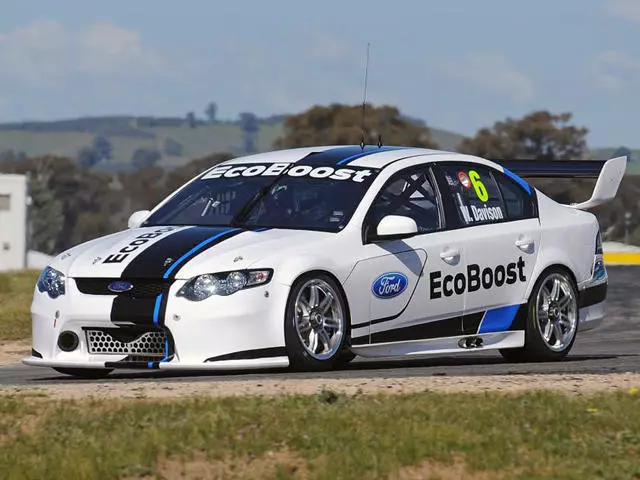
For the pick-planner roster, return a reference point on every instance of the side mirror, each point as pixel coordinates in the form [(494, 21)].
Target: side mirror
[(136, 218), (393, 227)]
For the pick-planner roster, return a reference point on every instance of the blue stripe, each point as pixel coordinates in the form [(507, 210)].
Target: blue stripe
[(516, 178), (166, 355), (365, 153), (195, 249), (498, 319), (156, 310)]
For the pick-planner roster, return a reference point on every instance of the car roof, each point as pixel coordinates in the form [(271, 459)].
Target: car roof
[(352, 155)]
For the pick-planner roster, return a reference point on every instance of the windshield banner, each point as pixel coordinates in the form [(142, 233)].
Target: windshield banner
[(275, 169)]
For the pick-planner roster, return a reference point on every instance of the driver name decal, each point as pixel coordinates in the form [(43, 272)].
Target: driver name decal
[(481, 214), (275, 169)]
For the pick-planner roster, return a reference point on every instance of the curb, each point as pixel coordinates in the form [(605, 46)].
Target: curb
[(622, 258)]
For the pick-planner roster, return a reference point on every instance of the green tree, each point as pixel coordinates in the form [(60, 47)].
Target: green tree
[(102, 146), (88, 157), (211, 112), (623, 152), (342, 125), (250, 127), (60, 193), (145, 157), (191, 120), (172, 147), (539, 135)]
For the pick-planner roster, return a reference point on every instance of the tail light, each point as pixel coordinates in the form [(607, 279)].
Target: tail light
[(599, 271), (598, 244)]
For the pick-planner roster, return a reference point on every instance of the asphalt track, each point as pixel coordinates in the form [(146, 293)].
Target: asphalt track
[(612, 348)]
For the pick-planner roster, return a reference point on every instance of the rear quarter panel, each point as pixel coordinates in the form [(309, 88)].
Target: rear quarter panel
[(568, 238)]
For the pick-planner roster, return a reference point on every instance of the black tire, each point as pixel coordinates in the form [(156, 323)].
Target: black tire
[(347, 356), (85, 373), (299, 358), (535, 347)]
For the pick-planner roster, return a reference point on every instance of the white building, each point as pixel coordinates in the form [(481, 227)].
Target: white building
[(13, 222)]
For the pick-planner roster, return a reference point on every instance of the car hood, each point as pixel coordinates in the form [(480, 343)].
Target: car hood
[(180, 252)]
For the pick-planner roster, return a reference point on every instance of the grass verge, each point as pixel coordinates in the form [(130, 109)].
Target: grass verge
[(532, 435), (16, 291)]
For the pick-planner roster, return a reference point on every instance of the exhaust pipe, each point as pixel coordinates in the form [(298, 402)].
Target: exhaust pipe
[(470, 342)]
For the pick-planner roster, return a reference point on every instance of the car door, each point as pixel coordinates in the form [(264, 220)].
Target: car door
[(409, 283), (502, 238)]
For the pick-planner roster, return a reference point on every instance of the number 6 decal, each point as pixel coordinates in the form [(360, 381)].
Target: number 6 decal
[(478, 186)]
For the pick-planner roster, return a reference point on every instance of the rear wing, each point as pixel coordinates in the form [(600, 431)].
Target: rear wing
[(608, 172)]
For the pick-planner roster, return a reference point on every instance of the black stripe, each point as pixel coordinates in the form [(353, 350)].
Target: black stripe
[(134, 365), (520, 320), (449, 327), (593, 295), (471, 323), (35, 353), (334, 155), (133, 310), (251, 354), (153, 261)]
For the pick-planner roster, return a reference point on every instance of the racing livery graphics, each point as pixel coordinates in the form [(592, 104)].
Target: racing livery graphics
[(475, 279), (309, 257)]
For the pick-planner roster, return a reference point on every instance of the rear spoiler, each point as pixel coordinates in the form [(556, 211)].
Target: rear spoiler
[(608, 172)]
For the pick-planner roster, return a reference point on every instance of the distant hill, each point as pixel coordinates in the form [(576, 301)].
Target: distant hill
[(173, 137), (176, 141)]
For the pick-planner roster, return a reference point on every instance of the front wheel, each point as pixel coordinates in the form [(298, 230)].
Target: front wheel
[(552, 322), (85, 373), (316, 324)]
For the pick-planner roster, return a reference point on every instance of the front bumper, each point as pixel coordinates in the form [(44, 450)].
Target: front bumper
[(243, 330)]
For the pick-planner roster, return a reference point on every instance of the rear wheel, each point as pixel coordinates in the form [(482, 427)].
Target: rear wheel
[(552, 322), (316, 324), (86, 373)]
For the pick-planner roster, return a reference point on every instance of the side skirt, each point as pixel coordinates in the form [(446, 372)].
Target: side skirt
[(436, 346)]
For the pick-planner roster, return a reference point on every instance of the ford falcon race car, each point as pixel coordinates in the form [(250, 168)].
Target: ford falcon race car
[(309, 257)]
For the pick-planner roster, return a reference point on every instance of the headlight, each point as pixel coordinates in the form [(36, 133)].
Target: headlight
[(52, 282), (225, 283)]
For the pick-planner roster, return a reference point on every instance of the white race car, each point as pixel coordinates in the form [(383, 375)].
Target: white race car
[(309, 257)]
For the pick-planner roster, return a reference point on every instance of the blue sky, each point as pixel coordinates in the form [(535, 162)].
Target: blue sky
[(458, 64)]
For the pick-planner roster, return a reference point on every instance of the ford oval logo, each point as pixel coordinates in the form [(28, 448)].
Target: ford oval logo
[(389, 285), (119, 286)]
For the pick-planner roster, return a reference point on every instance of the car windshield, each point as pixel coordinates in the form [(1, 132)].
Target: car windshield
[(281, 195)]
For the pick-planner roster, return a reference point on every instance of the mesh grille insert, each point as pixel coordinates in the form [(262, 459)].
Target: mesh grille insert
[(144, 343), (142, 288)]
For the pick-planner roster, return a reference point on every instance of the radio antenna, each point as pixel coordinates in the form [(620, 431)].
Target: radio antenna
[(364, 99)]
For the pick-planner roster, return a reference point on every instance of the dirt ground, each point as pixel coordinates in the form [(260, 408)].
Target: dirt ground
[(13, 352), (576, 384)]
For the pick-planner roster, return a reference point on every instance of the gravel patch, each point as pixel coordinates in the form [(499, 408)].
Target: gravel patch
[(571, 384)]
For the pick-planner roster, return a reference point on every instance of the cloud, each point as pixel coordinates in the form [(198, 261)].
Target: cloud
[(625, 9), (490, 72), (610, 70), (45, 51)]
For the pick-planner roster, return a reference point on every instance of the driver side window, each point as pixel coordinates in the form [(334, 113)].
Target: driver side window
[(408, 193)]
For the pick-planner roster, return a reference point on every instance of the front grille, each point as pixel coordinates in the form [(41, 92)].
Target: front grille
[(124, 341), (142, 288)]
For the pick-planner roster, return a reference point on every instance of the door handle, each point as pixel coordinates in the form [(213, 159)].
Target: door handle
[(450, 255), (525, 244)]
